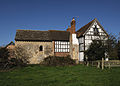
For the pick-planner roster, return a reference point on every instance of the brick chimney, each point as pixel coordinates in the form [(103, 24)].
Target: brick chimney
[(73, 25), (69, 29), (72, 28)]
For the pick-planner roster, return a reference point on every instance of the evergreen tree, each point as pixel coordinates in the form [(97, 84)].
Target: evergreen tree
[(96, 50)]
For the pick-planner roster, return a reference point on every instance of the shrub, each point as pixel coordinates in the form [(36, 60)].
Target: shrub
[(6, 62), (58, 61), (11, 63), (4, 54)]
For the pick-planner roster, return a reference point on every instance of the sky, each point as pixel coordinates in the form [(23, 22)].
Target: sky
[(55, 15)]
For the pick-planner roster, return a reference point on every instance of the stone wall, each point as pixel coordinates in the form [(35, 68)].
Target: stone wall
[(74, 47), (75, 52), (33, 50)]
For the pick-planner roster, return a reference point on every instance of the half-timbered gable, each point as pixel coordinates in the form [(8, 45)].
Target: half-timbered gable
[(92, 31)]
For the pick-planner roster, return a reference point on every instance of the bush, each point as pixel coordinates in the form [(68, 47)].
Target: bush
[(58, 61), (4, 53), (8, 63), (12, 63)]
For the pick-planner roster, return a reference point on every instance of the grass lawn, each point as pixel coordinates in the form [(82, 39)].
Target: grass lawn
[(78, 75)]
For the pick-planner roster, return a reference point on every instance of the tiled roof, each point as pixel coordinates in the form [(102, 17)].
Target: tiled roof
[(83, 29), (37, 35)]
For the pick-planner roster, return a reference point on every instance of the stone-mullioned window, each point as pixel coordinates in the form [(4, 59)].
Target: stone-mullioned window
[(62, 46)]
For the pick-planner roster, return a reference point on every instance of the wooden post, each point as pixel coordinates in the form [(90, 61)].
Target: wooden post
[(102, 63), (98, 65)]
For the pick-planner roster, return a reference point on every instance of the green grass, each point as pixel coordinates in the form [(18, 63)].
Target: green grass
[(78, 75)]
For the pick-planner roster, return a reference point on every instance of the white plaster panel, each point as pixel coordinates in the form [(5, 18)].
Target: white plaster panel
[(100, 30), (74, 39), (86, 47), (81, 40), (87, 42), (81, 56), (87, 37), (81, 47), (91, 29)]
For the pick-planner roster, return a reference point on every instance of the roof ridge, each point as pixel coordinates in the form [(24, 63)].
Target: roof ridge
[(58, 30), (41, 30), (29, 30)]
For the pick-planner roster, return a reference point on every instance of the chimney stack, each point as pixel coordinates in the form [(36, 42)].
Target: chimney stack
[(72, 28)]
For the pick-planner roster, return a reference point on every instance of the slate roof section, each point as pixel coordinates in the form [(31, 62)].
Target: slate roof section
[(37, 35)]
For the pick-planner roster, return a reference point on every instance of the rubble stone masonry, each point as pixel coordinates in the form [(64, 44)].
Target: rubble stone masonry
[(33, 49)]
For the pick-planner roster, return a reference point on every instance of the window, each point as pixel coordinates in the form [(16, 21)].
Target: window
[(41, 48), (96, 30), (61, 46), (81, 40)]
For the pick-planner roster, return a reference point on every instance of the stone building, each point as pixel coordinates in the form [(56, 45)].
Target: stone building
[(41, 44)]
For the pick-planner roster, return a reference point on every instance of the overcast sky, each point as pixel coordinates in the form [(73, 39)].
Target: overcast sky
[(55, 15)]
